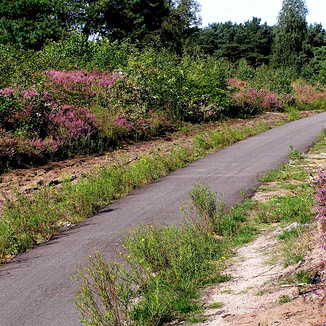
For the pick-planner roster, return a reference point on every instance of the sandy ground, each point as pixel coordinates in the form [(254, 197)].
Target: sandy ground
[(251, 297)]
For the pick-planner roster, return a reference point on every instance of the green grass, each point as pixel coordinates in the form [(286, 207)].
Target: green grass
[(301, 276), (289, 208), (284, 299), (297, 207), (34, 219), (286, 172)]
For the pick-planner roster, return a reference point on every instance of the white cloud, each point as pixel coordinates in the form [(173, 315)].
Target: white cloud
[(243, 10)]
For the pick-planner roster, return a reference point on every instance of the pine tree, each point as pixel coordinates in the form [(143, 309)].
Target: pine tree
[(290, 34)]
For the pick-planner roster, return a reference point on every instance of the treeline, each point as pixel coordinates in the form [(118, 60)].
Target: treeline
[(29, 24), (170, 24)]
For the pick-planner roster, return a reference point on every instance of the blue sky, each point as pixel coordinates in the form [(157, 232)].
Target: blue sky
[(243, 10)]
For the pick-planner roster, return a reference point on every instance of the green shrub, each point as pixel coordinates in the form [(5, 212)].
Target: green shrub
[(244, 71), (275, 80), (188, 89), (111, 56)]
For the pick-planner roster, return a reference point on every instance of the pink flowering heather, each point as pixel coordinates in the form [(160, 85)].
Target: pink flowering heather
[(7, 91), (262, 99), (74, 122), (29, 93), (49, 144), (71, 78), (237, 83), (123, 122)]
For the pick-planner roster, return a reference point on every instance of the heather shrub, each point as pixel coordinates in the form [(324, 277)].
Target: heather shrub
[(309, 96), (79, 87), (80, 96), (252, 102), (24, 109)]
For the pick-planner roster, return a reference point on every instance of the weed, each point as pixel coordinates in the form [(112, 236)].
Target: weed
[(260, 292), (295, 154), (285, 172), (286, 209), (167, 268), (284, 299), (303, 277), (197, 319)]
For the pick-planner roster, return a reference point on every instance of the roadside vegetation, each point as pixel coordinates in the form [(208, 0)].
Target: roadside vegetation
[(31, 219), (163, 270)]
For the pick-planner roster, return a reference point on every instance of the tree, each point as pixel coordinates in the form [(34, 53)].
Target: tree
[(251, 41), (290, 34), (140, 21), (177, 29), (28, 24), (121, 19)]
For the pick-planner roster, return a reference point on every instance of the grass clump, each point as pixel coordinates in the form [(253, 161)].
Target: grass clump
[(284, 299), (286, 172), (166, 268), (287, 209)]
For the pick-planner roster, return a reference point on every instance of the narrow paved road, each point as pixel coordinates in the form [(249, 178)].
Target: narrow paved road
[(36, 289)]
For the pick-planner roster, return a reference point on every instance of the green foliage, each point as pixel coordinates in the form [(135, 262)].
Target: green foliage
[(287, 208), (75, 51), (316, 70), (111, 56), (284, 299), (290, 34), (29, 24), (303, 276), (275, 80), (192, 89), (250, 41), (244, 71), (216, 305)]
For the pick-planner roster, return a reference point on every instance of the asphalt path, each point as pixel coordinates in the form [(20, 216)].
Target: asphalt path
[(37, 290)]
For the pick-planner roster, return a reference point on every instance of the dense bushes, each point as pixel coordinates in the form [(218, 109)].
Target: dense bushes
[(80, 96)]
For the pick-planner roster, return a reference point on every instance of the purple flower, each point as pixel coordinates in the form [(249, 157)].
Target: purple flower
[(123, 122), (73, 122), (29, 93), (7, 91)]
